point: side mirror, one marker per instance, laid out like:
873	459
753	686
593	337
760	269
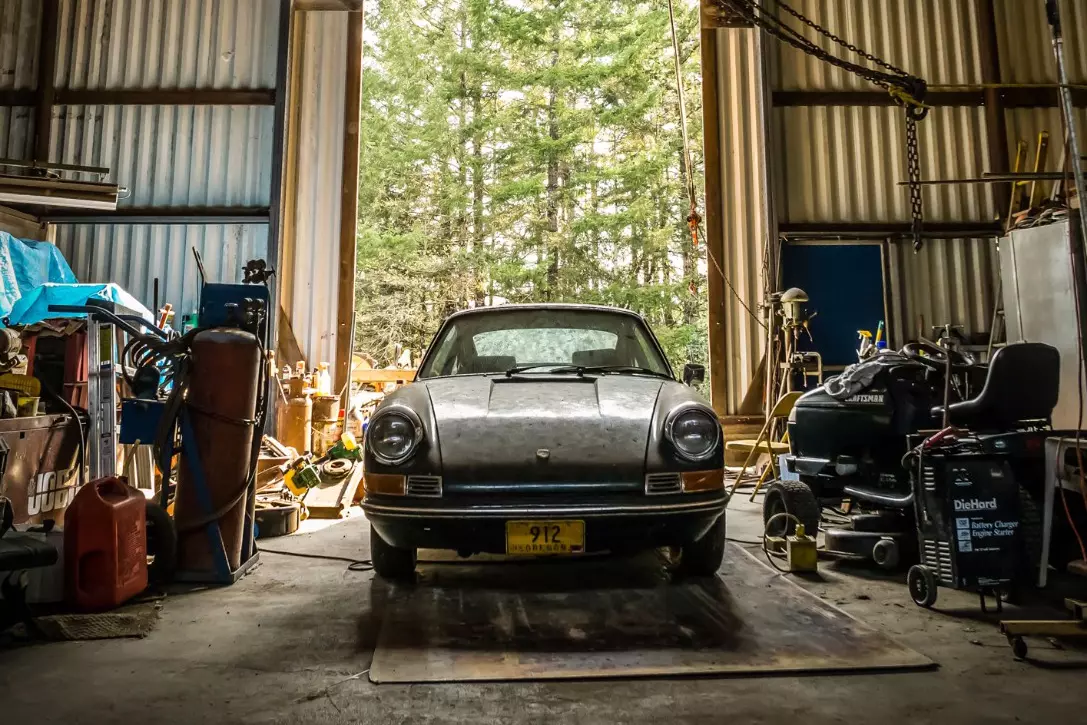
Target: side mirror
693	374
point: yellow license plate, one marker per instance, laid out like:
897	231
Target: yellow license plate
545	537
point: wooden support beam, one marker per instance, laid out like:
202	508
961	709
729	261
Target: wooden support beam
47	70
715	285
349	201
1030	97
166	97
161	215
996	124
888	230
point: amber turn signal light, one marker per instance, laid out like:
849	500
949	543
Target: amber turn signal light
383	484
704	480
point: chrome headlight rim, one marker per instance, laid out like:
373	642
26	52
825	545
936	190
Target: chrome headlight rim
669	426
417	434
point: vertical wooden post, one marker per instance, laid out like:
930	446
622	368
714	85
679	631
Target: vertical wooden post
996	124
349	200
47	80
715	284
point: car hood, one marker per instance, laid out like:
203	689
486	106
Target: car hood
543	428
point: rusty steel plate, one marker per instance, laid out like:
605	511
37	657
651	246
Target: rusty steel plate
598	618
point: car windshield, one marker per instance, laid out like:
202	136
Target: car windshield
544	339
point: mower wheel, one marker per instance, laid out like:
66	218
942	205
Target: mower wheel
792	497
922	585
885	554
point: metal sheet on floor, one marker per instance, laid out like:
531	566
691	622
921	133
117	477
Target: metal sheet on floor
617	618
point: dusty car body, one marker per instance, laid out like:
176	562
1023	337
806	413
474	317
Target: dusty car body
544	430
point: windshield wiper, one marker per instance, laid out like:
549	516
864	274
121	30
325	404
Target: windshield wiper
524	368
582	369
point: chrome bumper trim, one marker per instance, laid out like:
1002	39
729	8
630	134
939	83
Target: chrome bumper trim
505	512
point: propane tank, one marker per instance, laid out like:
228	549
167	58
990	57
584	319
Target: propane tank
222	402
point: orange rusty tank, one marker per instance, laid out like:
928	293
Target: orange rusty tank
222	401
105	545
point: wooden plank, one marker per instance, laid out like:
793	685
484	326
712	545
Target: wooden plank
382	376
349	202
47	68
715	287
166	97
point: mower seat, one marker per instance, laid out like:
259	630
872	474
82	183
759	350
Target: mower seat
1022	385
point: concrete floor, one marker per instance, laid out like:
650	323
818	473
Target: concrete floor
287	644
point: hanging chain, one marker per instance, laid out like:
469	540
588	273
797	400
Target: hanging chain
913	169
907	90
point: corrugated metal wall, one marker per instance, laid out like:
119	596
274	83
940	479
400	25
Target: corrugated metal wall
19	44
133	255
173	156
842	164
165	156
319	138
743	155
933	39
119	44
1026	51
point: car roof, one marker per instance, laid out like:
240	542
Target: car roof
558	306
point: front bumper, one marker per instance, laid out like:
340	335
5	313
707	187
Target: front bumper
482	528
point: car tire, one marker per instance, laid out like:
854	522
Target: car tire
793	497
389	561
704	556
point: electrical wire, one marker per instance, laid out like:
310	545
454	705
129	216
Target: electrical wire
82	453
766	528
352	564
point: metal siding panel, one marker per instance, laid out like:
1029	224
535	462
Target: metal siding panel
173	155
313	304
1026	123
20	31
153	44
743	145
933	39
844	164
1026	45
16	133
133	255
949	280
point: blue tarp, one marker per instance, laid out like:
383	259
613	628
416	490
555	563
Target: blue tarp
35	275
25	265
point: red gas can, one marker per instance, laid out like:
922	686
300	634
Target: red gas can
105	545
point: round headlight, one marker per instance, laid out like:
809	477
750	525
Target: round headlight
393	437
694	434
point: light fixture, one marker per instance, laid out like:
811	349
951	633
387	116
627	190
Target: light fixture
58	193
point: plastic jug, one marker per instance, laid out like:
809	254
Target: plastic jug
105	545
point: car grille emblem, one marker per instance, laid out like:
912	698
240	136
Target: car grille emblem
543	454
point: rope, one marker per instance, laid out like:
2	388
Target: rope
694	219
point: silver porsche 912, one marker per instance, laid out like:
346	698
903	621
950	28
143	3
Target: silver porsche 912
547	429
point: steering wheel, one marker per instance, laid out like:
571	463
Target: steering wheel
935	357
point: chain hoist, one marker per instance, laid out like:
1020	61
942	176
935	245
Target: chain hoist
907	90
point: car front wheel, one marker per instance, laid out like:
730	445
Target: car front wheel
704	557
390	562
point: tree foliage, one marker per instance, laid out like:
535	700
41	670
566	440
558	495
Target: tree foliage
526	150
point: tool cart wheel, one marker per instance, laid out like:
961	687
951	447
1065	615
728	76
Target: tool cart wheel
1019	647
390	562
792	497
922	584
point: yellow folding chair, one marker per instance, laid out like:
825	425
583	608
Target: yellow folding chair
763	444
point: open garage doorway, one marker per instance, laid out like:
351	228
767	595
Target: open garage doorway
527	151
